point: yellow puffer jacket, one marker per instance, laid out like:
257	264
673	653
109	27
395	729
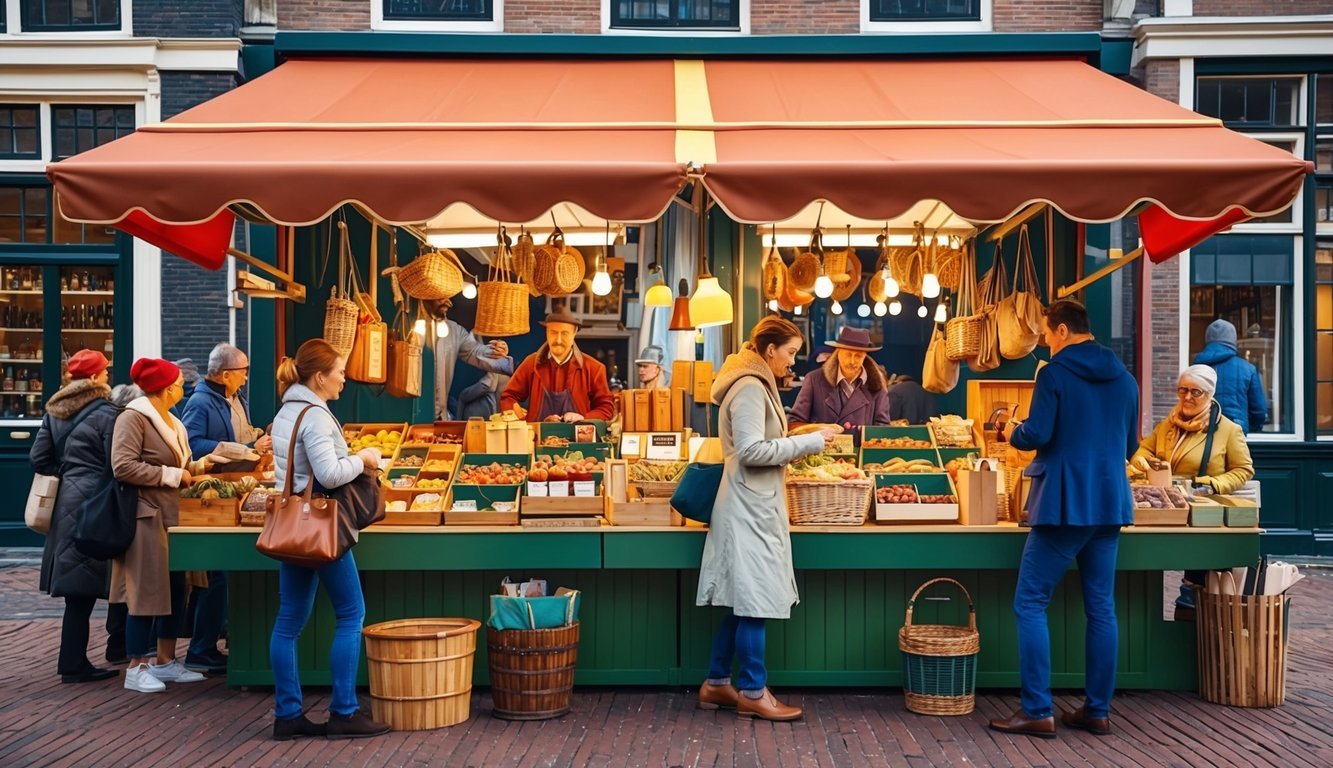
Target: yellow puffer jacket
1229	467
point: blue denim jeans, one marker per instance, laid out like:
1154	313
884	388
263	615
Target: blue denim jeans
296	589
1049	551
210	615
143	632
746	636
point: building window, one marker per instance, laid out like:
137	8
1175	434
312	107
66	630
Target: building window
71	15
80	128
20	132
439	10
1248	280
24	214
1323	337
925	10
675	14
1251	102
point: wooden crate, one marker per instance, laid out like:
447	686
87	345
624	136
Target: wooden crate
215	513
641	512
481	517
563	506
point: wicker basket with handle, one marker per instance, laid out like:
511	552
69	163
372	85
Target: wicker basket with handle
502	303
940	660
839	502
341	314
557	268
432	275
963	332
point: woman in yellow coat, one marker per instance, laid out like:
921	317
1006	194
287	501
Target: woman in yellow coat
1179	440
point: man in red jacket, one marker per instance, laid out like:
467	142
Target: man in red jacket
558	381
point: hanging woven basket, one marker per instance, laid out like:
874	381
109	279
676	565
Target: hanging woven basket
502	303
432	275
775	275
558	269
524	258
844	290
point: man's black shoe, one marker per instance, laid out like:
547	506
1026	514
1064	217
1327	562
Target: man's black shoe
91	675
355	726
295	728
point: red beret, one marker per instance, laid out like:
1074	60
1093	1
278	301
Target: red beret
153	374
86	363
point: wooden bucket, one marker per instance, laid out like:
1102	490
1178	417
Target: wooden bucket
421	671
532	671
1242	648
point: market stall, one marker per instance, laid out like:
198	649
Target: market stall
750	136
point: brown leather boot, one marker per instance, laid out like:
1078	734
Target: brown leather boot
715	696
766	708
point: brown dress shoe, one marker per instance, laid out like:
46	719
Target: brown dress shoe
766	708
715	696
1098	726
1020	723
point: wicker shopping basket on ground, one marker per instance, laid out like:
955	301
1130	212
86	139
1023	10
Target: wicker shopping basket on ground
840	502
940	660
432	275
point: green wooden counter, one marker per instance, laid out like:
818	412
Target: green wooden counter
640	624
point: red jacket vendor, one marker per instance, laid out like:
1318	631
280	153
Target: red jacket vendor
558	381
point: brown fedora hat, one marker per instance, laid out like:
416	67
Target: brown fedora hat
562	315
856	339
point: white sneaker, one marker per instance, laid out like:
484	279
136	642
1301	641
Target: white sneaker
175	672
139	678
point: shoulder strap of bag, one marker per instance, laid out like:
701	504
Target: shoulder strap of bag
291	458
1214	414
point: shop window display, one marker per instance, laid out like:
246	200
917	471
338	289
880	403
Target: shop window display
1323	338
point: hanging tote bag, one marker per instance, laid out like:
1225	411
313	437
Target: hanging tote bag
307	530
963	331
368	361
502	301
988	291
42	495
1019	331
341	313
105	525
404	357
939	374
697	490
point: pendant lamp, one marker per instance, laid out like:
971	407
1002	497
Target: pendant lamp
710	305
680	312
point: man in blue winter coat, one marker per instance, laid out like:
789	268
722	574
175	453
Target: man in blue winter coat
1082	424
1240	390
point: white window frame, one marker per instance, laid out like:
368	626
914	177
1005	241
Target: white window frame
46	137
742	9
900	27
496	24
14	23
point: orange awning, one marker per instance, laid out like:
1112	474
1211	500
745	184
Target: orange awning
407	138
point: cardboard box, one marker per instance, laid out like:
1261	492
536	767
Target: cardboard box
702	378
978	496
682	376
661	410
643	408
925	484
474	436
519	437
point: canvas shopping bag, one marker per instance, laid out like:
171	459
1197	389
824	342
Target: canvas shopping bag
1018	315
939	374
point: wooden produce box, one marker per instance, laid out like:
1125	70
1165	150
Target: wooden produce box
955	436
564	506
642	512
573	433
928	459
368	435
1206	512
439	433
920	433
412	516
1176	514
1239	512
213	513
925	485
485	497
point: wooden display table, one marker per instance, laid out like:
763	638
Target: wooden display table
640	624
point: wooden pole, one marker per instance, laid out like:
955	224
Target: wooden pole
1124	261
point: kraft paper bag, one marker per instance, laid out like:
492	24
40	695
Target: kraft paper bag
978	496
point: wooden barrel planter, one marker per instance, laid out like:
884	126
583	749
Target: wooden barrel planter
532	671
421	671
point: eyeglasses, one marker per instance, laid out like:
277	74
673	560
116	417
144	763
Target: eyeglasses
245	369
1190	392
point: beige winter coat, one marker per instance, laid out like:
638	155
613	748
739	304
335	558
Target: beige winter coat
142	456
747	562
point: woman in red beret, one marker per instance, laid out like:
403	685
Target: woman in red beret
74	444
150	450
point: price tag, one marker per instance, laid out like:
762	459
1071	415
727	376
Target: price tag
664	446
465	505
631	445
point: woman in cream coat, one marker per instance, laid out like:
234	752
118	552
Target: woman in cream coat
747	563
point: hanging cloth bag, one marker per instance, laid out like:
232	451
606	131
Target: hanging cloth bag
502	301
939	374
988	292
368	362
1019	330
404	356
963	331
42	494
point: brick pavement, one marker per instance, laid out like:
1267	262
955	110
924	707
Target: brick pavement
44	723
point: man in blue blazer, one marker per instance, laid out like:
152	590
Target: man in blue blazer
1083	426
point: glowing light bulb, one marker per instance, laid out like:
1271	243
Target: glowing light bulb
941	313
601	283
921	311
891	288
930	286
896	308
881	308
441	328
469	289
824	286
837	308
772	305
796	310
863	310
419	328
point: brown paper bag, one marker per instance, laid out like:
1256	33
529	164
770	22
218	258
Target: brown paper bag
368	362
978	496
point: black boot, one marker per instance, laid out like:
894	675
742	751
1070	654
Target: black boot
295	728
354	726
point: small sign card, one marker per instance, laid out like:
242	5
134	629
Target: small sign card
663	446
465	505
631	445
585	488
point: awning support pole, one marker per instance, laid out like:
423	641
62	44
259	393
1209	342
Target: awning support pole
1123	261
294	291
1022	217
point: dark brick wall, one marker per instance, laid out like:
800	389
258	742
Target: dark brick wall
1047	15
194	308
793	17
340	15
197	18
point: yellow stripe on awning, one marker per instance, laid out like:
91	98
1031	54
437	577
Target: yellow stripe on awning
693	107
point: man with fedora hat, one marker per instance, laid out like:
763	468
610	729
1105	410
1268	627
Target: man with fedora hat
847	390
649	362
558	381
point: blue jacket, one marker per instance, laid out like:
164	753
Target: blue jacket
1240	390
1083	426
207	420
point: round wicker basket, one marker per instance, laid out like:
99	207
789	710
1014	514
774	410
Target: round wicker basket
432	275
340	321
558	269
906	265
940	660
804	271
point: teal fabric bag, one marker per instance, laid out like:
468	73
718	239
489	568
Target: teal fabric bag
534	612
697	490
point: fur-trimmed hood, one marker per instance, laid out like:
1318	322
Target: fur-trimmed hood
874	374
74	396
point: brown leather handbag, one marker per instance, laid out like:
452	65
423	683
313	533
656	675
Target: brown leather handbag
309	530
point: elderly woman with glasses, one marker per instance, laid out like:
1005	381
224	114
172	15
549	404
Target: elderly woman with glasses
1180	440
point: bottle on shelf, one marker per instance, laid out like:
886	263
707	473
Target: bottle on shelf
64	283
74	282
8	383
